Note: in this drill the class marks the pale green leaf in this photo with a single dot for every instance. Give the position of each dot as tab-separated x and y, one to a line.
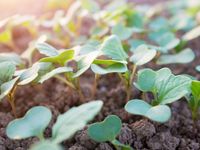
11	57
142	55
55	72
46	49
74	119
185	56
32	124
7	70
112	47
62	58
159	113
84	62
7	87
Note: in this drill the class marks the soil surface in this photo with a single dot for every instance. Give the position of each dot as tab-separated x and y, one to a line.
179	133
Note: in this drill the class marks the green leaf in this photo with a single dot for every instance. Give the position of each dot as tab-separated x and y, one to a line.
46	145
185	56
55	72
11	57
62	58
122	31
159	23
74	119
197	68
106	130
135	43
165	39
195	87
142	55
32	124
163	84
47	49
7	71
159	113
110	66
146	80
84	62
112	48
29	75
192	34
7	87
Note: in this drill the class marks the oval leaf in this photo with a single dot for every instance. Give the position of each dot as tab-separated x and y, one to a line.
46	49
32	124
55	72
75	119
185	56
159	113
142	55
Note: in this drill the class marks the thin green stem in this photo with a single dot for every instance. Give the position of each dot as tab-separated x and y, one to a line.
71	85
96	78
11	101
78	87
41	136
129	86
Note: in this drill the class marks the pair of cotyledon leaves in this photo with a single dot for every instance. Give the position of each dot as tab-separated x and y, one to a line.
38	118
166	88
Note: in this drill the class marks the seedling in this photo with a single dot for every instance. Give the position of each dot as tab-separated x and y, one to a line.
165	87
65	127
8	83
61	58
142	55
194	99
108	130
112	49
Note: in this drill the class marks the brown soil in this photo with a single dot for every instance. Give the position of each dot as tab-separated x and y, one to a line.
177	134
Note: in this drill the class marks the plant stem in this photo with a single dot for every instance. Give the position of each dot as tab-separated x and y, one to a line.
128	88
11	100
71	85
96	78
132	74
41	136
78	87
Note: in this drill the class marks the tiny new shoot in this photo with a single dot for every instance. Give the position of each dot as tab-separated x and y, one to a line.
66	125
142	55
108	130
8	83
61	58
165	87
194	99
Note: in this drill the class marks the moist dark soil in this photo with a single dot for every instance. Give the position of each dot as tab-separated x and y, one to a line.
179	133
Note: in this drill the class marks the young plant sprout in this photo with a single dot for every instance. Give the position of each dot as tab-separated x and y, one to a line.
112	49
194	99
165	87
8	83
142	55
108	130
61	58
66	125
